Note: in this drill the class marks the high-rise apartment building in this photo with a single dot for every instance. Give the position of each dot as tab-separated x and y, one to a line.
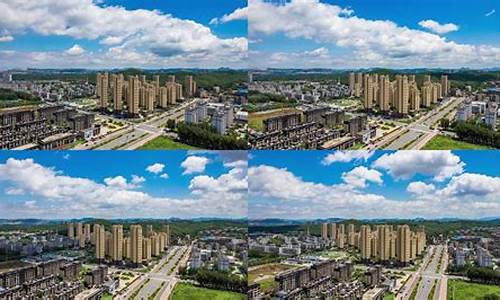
136	243
445	86
402	94
324	231
403	246
100	241
117	242
117	91
365	242
190	86
102	89
384	93
133	92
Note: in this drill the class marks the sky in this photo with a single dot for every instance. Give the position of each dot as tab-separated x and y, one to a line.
374	185
122	184
377	33
123	33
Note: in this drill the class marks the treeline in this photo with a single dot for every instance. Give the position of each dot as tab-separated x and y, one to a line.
476	274
477	134
9	98
204	78
216	280
256	257
256	97
206	137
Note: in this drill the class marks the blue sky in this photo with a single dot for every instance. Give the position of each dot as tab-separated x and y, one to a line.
405	184
41	35
113	184
336	25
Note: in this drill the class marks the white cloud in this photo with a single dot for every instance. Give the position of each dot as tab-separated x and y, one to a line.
12	191
420	188
121	182
138	179
238	14
346	156
75	50
359	176
438	28
371	42
164	176
194	164
405	164
139	38
155	168
63	196
469	184
491	12
279	193
6	38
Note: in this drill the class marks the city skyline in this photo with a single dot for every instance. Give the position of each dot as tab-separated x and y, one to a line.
350	34
373	185
182	184
109	34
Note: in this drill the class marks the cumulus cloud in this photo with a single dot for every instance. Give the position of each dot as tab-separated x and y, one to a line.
279	193
359	176
380	42
346	156
6	38
138	37
63	196
438	28
164	176
155	168
75	50
194	164
238	14
420	188
406	164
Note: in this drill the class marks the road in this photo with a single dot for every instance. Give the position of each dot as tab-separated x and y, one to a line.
427	276
407	289
136	135
162	277
415	135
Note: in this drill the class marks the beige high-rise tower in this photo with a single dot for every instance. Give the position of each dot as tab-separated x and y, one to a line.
190	86
384	242
384	93
136	243
117	91
103	85
403	247
100	241
368	92
352	82
402	94
365	242
324	231
333	231
134	87
117	242
87	232
445	86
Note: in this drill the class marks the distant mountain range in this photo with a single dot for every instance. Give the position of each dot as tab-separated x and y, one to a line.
374	69
34	222
285	222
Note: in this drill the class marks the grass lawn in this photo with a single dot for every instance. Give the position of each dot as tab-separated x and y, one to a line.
165	143
469	291
255	119
389	296
107	297
184	291
441	142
